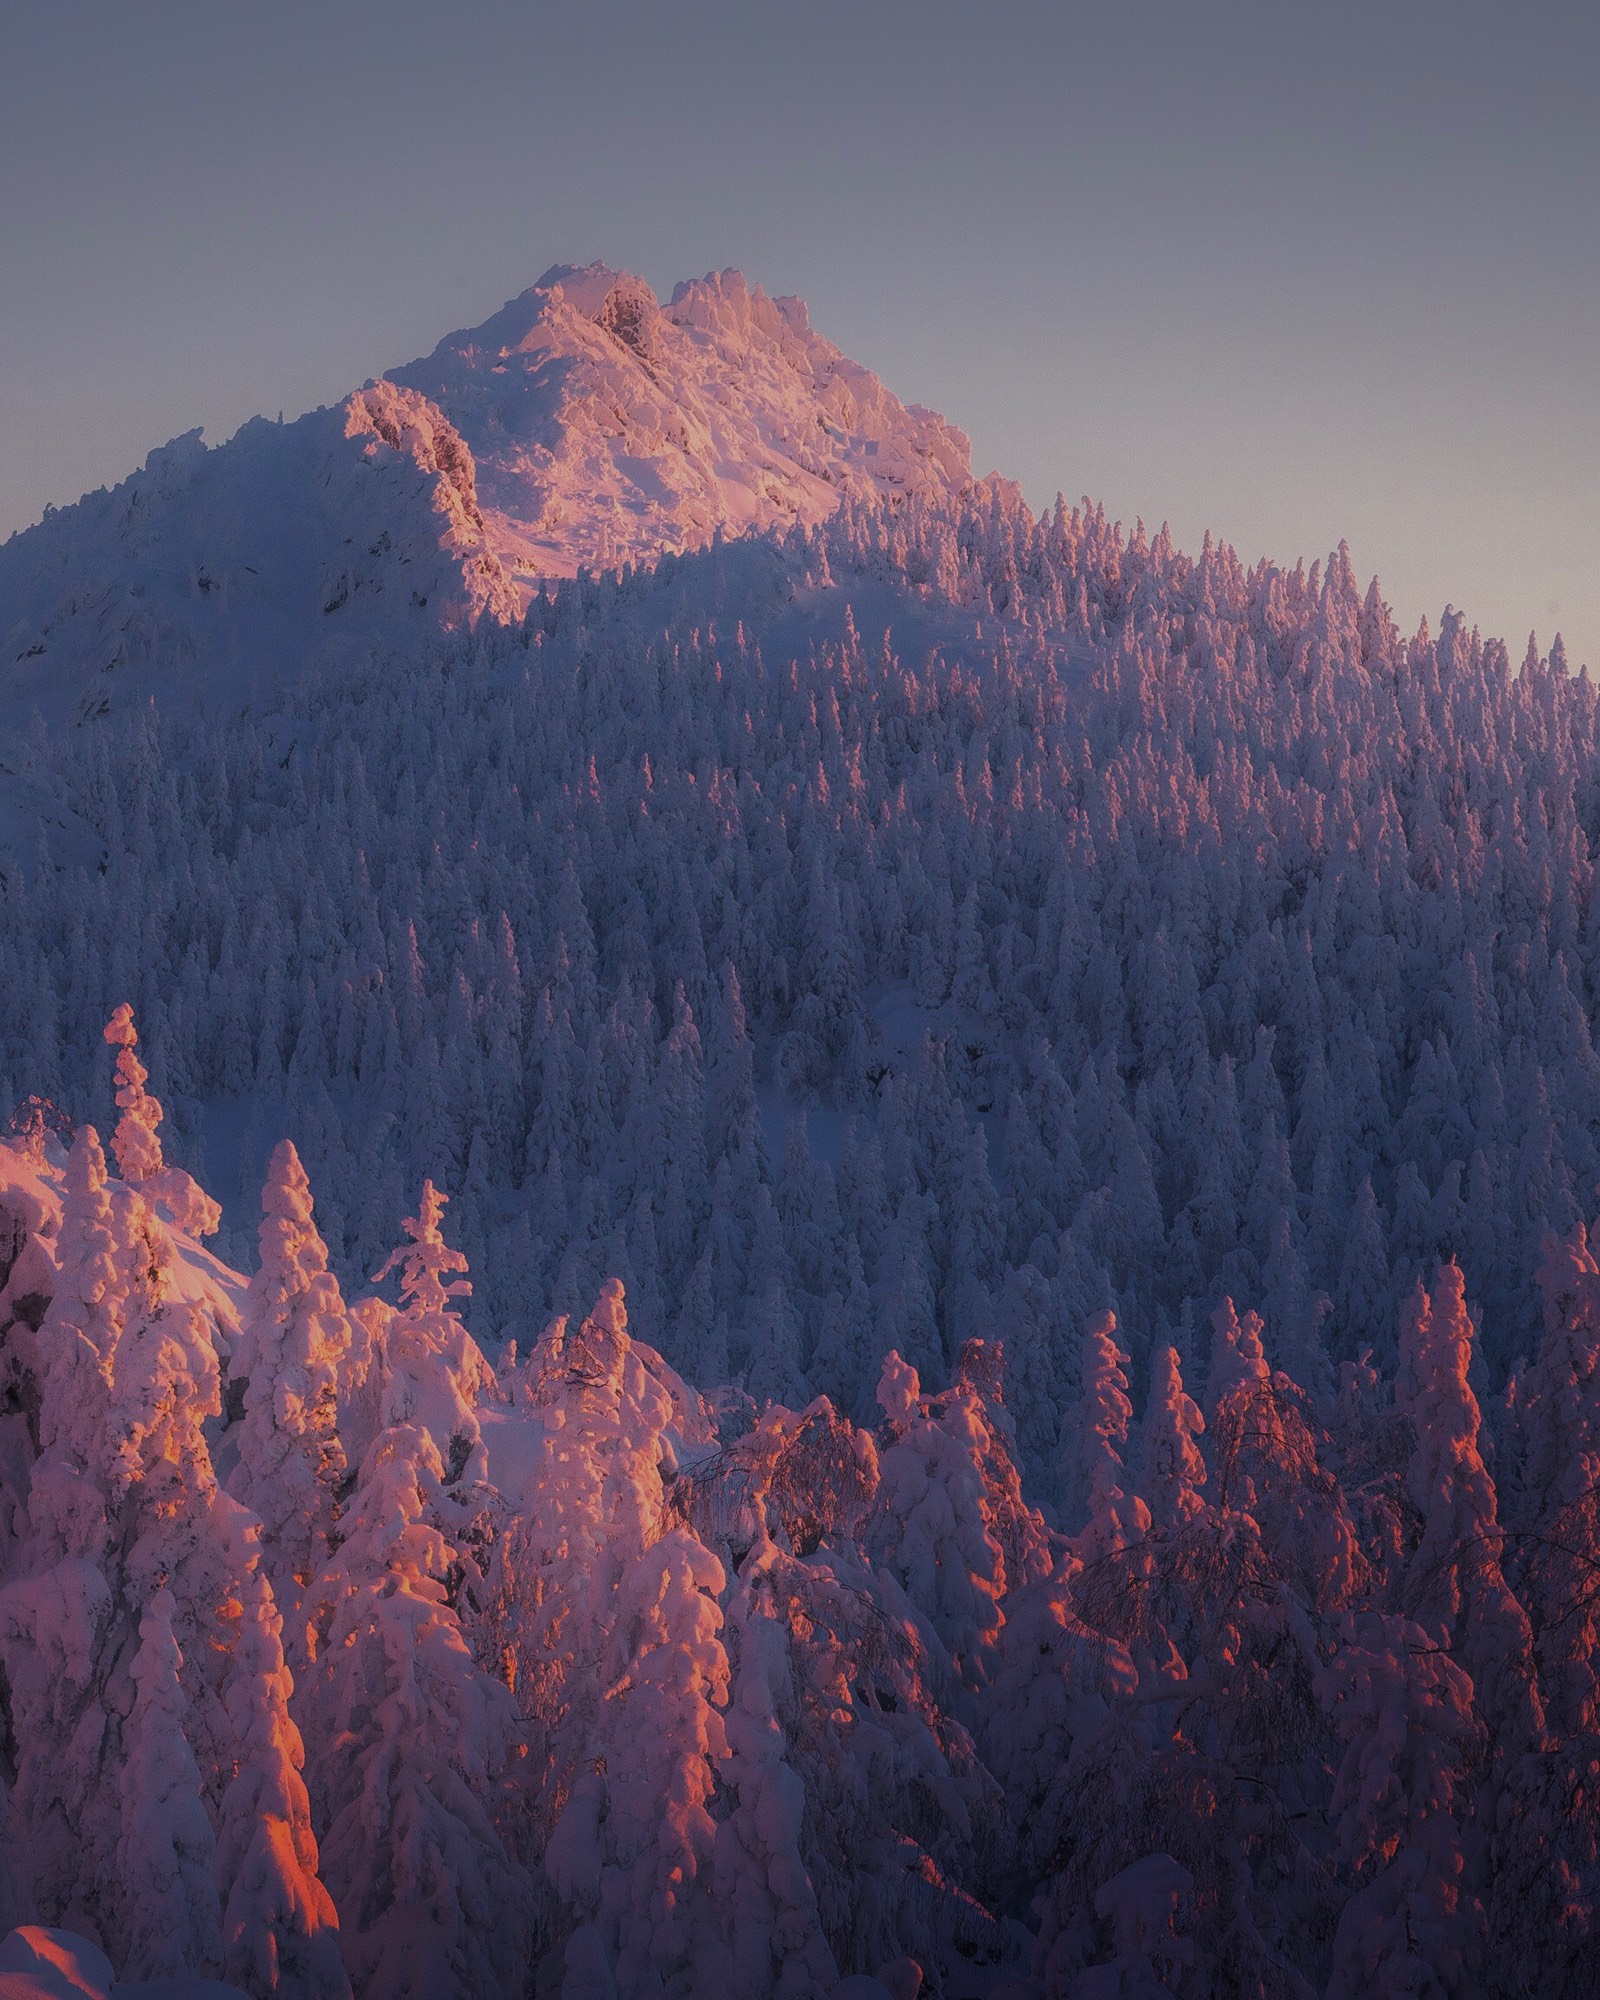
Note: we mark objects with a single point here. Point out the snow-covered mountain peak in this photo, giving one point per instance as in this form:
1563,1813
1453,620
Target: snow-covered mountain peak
723,302
586,287
578,290
583,424
608,428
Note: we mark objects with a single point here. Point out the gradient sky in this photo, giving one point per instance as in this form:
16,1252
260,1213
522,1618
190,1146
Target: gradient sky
1290,272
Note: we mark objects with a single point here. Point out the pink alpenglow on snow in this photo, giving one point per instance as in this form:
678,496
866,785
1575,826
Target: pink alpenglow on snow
137,1140
993,1392
38,1963
604,1683
584,425
608,428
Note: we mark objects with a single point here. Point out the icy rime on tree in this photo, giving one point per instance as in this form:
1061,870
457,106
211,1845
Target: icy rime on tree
625,1688
1137,929
1184,978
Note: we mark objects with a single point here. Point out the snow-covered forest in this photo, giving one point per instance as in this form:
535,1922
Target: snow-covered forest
1018,1109
338,1657
1127,932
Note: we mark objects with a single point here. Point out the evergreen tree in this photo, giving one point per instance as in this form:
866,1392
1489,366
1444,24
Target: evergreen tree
435,1374
1404,1708
171,1921
409,1739
1173,1468
1094,1439
279,1926
930,1528
137,1141
1456,1586
294,1338
635,1837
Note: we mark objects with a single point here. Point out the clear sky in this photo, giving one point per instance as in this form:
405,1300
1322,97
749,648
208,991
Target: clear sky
1290,272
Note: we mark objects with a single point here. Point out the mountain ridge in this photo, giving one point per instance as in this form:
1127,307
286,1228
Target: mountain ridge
588,360
584,424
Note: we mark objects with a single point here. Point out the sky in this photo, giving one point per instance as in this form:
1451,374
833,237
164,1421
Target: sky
1291,273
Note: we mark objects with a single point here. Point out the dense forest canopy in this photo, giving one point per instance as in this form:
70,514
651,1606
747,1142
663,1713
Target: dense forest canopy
1006,1394
338,1658
948,922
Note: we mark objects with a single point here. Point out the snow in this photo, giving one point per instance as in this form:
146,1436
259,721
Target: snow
38,1963
996,958
205,575
36,1960
31,1188
608,429
582,424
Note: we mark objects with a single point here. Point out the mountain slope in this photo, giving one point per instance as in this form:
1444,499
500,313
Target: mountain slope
582,424
607,428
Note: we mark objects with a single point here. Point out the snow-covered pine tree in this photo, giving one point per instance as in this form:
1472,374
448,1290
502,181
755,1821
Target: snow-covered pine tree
293,1342
628,1851
929,1525
137,1139
279,1927
1558,1414
1546,1887
66,1624
170,1919
603,1408
1456,1586
1173,1469
434,1373
1266,1449
766,1904
408,1742
1411,1922
1104,1517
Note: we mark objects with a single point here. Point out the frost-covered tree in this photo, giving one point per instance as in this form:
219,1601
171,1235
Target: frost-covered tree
137,1139
1547,1877
1049,1702
1173,1469
899,1813
293,1341
1094,1440
435,1374
165,1388
630,1848
1266,1449
1404,1708
171,1922
603,1411
67,1622
1456,1586
929,1526
408,1739
1558,1412
279,1927
1137,1910
766,1904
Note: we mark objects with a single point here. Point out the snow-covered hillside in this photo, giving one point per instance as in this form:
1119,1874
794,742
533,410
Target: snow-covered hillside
212,576
1010,1405
608,428
582,424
